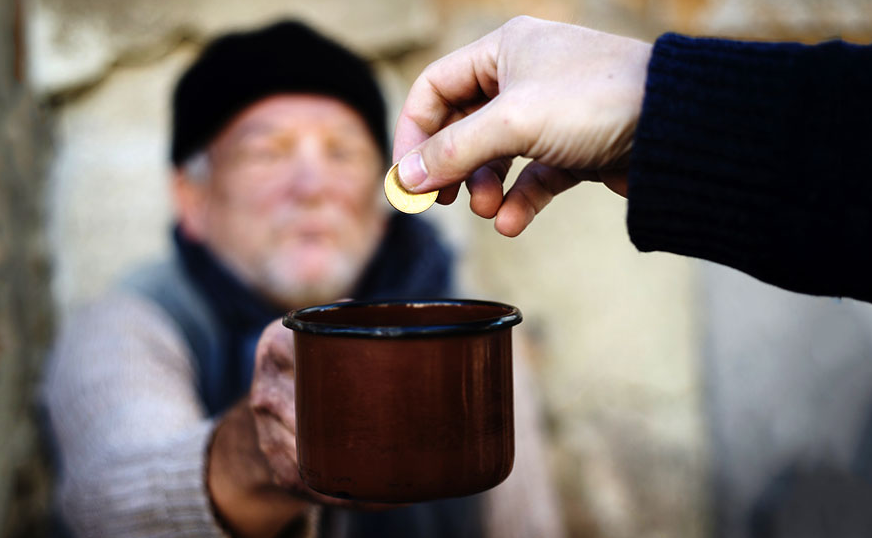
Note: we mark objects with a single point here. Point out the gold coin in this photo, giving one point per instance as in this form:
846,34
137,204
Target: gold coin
400,198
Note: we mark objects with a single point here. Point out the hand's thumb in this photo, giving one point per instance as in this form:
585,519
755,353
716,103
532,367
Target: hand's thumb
454,152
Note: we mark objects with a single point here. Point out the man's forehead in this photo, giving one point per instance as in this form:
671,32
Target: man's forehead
288,111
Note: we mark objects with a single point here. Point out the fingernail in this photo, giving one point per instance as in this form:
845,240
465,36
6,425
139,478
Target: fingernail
412,171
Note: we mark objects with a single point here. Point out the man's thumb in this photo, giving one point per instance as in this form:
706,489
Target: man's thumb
454,152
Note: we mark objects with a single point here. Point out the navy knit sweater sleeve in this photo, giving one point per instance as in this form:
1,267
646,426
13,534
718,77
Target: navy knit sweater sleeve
759,156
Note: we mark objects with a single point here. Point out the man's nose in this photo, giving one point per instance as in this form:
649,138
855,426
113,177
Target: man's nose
307,175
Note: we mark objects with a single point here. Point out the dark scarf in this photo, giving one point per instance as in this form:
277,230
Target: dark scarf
411,262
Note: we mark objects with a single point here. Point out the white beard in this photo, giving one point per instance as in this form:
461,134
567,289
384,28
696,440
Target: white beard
289,288
291,275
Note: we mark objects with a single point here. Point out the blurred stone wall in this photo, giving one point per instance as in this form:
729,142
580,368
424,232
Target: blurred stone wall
25,303
618,334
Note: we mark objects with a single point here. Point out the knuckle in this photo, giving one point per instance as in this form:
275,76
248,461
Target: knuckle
274,357
265,399
520,23
515,121
448,144
519,20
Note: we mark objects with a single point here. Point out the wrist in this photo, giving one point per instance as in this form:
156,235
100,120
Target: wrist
244,499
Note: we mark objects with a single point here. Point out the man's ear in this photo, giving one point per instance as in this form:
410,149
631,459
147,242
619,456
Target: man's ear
191,204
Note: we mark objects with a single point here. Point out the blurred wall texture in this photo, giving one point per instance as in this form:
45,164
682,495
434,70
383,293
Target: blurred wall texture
25,301
623,339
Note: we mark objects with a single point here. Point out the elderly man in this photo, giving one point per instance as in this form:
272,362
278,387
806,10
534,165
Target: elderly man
161,394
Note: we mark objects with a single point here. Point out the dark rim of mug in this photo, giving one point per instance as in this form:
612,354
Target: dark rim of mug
510,317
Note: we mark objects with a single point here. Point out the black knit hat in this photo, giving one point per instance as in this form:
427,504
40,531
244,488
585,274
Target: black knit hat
238,69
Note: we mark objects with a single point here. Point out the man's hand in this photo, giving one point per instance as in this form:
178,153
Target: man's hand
272,404
565,96
253,477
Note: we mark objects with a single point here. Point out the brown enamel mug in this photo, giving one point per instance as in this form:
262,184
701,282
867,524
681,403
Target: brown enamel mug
404,401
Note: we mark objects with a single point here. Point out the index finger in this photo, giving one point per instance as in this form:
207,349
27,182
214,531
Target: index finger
466,76
277,345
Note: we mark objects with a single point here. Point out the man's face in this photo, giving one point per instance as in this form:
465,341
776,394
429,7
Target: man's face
291,203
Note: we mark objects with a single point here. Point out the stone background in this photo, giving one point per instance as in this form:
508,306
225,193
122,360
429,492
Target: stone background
25,301
644,371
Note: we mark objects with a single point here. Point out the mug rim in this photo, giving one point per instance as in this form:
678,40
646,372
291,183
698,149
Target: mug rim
511,317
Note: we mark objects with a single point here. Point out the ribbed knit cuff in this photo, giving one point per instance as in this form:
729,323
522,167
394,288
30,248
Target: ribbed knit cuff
182,476
179,476
728,164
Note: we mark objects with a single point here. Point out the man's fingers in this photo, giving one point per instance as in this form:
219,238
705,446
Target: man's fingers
448,194
272,389
453,122
535,187
277,343
455,152
446,86
274,395
276,346
486,188
279,446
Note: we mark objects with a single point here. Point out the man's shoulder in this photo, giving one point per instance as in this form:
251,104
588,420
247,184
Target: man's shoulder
152,307
148,277
119,312
131,308
167,284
